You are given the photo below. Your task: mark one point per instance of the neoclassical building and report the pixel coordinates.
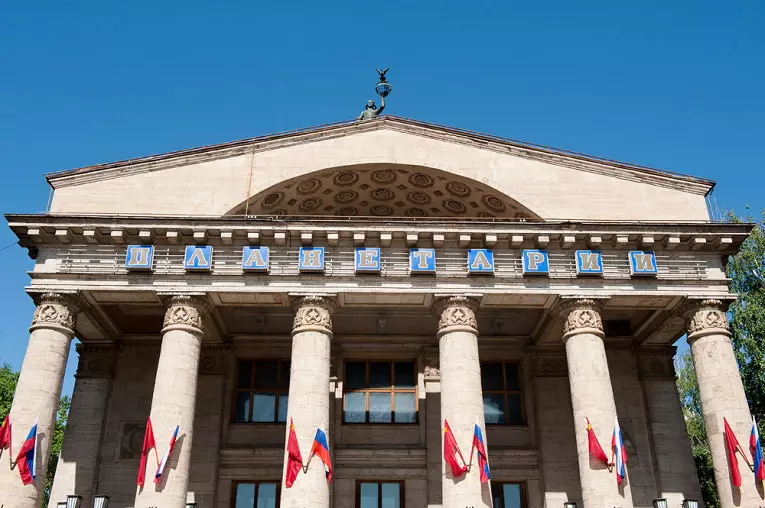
(376, 278)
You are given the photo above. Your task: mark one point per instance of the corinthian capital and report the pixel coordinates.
(56, 311)
(456, 313)
(185, 312)
(581, 315)
(313, 313)
(706, 317)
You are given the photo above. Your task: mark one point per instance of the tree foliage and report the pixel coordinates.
(8, 380)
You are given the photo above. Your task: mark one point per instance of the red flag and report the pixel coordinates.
(294, 459)
(596, 451)
(451, 450)
(731, 445)
(148, 444)
(5, 435)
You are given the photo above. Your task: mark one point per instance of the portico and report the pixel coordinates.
(373, 280)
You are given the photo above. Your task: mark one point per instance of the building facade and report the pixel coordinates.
(375, 279)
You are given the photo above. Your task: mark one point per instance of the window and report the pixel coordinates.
(502, 400)
(508, 495)
(262, 391)
(380, 392)
(379, 494)
(256, 495)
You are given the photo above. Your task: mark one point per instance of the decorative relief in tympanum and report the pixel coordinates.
(385, 192)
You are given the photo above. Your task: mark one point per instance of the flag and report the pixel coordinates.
(5, 435)
(168, 452)
(27, 458)
(320, 448)
(596, 451)
(483, 459)
(620, 453)
(731, 445)
(451, 450)
(294, 459)
(148, 444)
(756, 448)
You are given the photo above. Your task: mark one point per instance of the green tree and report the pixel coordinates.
(8, 380)
(747, 279)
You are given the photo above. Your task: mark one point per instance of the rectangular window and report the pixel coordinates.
(262, 391)
(380, 392)
(256, 495)
(379, 494)
(508, 495)
(502, 398)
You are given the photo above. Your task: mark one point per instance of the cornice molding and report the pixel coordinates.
(479, 141)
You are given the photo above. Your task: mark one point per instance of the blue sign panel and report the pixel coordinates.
(643, 263)
(198, 257)
(139, 257)
(311, 259)
(480, 261)
(589, 262)
(422, 260)
(255, 259)
(368, 259)
(535, 262)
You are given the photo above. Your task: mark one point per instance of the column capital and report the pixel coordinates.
(313, 313)
(95, 361)
(456, 313)
(581, 315)
(56, 311)
(185, 312)
(705, 317)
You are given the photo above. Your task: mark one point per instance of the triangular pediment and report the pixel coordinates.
(529, 181)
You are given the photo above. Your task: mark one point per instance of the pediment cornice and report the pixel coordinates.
(479, 141)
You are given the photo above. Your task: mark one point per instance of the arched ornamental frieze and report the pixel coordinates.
(383, 190)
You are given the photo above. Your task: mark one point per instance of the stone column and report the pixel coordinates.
(80, 452)
(174, 400)
(38, 392)
(431, 410)
(675, 468)
(461, 395)
(722, 396)
(308, 404)
(591, 397)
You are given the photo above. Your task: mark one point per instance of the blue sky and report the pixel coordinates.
(673, 85)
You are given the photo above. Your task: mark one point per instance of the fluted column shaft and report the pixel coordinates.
(78, 463)
(38, 392)
(461, 395)
(591, 397)
(722, 396)
(174, 400)
(308, 404)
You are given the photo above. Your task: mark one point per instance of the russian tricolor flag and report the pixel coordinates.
(620, 453)
(320, 448)
(483, 459)
(27, 458)
(168, 452)
(756, 448)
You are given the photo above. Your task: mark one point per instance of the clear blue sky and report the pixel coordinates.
(675, 85)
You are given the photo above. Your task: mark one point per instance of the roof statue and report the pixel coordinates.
(383, 88)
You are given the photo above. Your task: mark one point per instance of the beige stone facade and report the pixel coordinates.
(372, 279)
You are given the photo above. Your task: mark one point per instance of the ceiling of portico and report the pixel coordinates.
(379, 190)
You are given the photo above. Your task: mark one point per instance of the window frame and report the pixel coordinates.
(379, 491)
(500, 485)
(392, 390)
(236, 483)
(506, 392)
(252, 390)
